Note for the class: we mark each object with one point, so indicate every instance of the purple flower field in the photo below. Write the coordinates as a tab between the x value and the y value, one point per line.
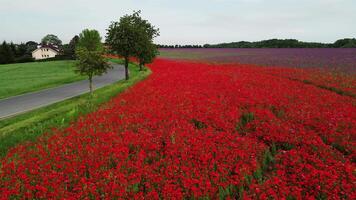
340	60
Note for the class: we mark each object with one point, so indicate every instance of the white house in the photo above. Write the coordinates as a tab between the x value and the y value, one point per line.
44	52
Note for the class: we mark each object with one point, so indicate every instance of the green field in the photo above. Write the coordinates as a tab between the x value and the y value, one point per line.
28	126
21	78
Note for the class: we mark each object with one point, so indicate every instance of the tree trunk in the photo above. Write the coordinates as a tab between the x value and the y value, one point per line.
91	84
141	66
127	68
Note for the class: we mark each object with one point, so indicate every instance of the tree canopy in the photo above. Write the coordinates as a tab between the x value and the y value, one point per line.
69	49
146	50
345	43
146	53
6	53
51	39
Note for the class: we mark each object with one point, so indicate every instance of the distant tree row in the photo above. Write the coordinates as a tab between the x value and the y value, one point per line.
16	53
345	43
273	43
287	43
179	46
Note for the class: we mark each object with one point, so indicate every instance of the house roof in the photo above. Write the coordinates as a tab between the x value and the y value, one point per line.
50	47
46	46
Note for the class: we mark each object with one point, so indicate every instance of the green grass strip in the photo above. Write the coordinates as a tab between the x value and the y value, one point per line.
20	78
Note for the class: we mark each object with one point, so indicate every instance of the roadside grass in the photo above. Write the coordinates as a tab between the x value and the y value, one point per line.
20	78
28	126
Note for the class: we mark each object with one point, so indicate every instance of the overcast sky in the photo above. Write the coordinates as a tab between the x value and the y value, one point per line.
184	21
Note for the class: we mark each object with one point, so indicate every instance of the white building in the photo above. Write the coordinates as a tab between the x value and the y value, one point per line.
45	52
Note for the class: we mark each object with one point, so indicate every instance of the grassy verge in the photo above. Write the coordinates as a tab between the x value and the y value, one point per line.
28	126
20	78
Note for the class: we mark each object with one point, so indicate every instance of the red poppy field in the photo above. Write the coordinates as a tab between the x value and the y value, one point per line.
196	130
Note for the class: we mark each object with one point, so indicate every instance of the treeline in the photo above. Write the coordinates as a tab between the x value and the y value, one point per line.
16	53
287	43
273	43
179	46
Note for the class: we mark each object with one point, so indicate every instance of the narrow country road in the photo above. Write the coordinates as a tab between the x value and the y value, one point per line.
19	104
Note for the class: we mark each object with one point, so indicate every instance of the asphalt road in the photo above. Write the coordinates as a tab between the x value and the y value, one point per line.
19	104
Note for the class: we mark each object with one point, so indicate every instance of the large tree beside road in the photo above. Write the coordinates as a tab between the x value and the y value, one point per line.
130	37
89	53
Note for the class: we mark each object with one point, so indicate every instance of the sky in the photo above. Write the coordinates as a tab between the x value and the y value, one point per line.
184	21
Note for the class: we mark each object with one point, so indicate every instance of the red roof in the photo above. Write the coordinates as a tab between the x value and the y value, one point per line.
49	46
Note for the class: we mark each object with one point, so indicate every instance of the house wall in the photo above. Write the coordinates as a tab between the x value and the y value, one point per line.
43	53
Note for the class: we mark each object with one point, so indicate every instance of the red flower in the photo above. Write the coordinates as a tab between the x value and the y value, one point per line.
197	130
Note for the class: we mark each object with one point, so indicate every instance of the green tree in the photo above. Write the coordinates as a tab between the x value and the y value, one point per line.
125	36
122	38
51	39
69	49
22	54
31	46
13	48
345	43
73	44
21	50
146	53
6	53
146	50
89	53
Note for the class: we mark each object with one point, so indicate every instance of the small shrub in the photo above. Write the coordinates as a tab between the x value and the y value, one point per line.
267	161
279	113
284	146
244	120
199	124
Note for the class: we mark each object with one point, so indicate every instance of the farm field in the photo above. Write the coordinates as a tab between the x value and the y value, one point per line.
200	130
333	69
340	60
21	78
